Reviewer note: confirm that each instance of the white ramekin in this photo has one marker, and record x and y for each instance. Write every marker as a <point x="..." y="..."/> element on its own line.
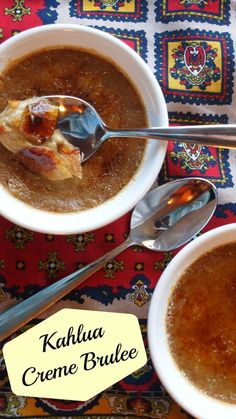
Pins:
<point x="188" y="396"/>
<point x="149" y="89"/>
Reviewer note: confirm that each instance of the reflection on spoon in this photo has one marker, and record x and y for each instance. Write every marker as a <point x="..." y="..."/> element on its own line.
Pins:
<point x="166" y="218"/>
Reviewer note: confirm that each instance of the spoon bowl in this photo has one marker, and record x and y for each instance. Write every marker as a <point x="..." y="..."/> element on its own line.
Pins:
<point x="162" y="225"/>
<point x="84" y="128"/>
<point x="165" y="218"/>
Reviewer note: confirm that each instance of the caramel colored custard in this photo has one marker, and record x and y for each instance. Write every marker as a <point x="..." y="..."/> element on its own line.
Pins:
<point x="201" y="323"/>
<point x="90" y="77"/>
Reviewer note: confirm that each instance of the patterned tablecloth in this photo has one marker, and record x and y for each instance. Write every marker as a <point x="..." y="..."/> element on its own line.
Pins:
<point x="164" y="33"/>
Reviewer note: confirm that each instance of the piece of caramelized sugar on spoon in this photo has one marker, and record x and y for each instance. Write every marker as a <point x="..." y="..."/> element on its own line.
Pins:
<point x="39" y="120"/>
<point x="28" y="130"/>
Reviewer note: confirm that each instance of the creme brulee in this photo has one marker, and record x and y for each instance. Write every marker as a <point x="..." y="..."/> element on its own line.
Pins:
<point x="201" y="323"/>
<point x="85" y="75"/>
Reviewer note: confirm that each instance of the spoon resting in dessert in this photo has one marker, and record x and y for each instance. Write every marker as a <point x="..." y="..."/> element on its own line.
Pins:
<point x="82" y="126"/>
<point x="53" y="135"/>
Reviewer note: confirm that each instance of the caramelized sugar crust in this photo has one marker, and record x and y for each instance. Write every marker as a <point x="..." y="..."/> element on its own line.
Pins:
<point x="201" y="323"/>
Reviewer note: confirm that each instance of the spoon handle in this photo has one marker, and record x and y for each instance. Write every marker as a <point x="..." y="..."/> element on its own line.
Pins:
<point x="213" y="135"/>
<point x="17" y="316"/>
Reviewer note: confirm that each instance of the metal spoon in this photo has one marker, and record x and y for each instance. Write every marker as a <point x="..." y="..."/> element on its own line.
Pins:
<point x="166" y="218"/>
<point x="83" y="127"/>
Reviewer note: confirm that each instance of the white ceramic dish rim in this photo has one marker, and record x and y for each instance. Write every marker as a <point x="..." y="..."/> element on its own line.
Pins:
<point x="186" y="395"/>
<point x="46" y="222"/>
